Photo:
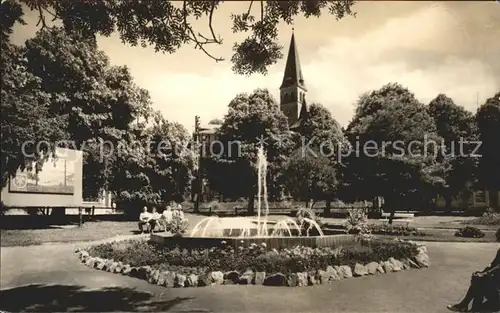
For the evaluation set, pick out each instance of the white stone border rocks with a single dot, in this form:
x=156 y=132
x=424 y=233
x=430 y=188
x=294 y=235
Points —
x=327 y=276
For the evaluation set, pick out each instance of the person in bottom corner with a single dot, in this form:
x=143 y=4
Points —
x=484 y=284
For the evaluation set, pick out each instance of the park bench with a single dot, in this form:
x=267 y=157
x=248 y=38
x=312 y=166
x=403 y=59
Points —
x=396 y=221
x=399 y=215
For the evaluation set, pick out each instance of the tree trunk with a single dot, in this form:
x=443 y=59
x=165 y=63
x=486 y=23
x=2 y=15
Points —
x=376 y=207
x=198 y=192
x=390 y=206
x=328 y=206
x=80 y=217
x=493 y=195
x=448 y=199
x=391 y=217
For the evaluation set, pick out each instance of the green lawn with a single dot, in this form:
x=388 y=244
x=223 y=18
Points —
x=90 y=231
x=439 y=235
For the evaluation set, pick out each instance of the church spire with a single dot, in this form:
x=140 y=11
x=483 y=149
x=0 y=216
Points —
x=293 y=71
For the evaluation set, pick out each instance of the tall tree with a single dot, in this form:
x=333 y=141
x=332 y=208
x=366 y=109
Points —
x=99 y=101
x=488 y=120
x=168 y=25
x=25 y=116
x=310 y=173
x=252 y=120
x=60 y=88
x=310 y=177
x=458 y=129
x=154 y=165
x=389 y=135
x=173 y=157
x=11 y=12
x=320 y=129
x=131 y=183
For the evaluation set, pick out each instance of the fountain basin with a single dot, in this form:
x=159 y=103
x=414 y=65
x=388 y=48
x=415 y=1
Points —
x=332 y=241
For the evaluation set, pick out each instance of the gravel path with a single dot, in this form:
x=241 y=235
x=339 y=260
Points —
x=49 y=278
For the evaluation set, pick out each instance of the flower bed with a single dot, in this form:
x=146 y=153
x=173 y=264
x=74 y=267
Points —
x=470 y=232
x=300 y=266
x=395 y=230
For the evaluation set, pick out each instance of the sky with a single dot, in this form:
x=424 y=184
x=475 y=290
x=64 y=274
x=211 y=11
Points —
x=429 y=47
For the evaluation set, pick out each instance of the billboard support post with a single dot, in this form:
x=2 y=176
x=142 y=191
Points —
x=80 y=217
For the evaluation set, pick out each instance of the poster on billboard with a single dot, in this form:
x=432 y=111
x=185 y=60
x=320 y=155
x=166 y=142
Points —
x=56 y=176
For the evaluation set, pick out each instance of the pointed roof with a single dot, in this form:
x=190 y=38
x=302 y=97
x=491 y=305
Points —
x=293 y=71
x=303 y=111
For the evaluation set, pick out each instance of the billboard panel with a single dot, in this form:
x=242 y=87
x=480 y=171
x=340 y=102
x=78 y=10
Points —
x=57 y=183
x=54 y=177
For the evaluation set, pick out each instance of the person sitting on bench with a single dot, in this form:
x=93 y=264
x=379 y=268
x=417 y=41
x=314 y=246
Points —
x=166 y=217
x=144 y=220
x=484 y=284
x=155 y=219
x=178 y=213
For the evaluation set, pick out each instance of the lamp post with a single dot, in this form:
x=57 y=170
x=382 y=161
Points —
x=198 y=179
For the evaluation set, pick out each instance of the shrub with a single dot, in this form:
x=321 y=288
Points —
x=306 y=218
x=357 y=224
x=242 y=203
x=214 y=205
x=186 y=205
x=178 y=225
x=255 y=257
x=488 y=218
x=285 y=204
x=470 y=232
x=337 y=204
x=135 y=253
x=395 y=230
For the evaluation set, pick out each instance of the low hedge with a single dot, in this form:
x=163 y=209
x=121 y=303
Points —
x=488 y=218
x=470 y=232
x=256 y=257
x=388 y=230
x=395 y=230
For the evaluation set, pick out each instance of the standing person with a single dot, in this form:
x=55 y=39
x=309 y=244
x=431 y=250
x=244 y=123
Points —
x=144 y=218
x=483 y=284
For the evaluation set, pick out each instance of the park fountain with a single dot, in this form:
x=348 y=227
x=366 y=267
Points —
x=245 y=227
x=242 y=230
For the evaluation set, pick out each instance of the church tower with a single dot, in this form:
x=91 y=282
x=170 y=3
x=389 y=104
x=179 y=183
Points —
x=293 y=89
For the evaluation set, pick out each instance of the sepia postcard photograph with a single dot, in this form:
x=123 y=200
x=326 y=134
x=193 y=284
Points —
x=250 y=156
